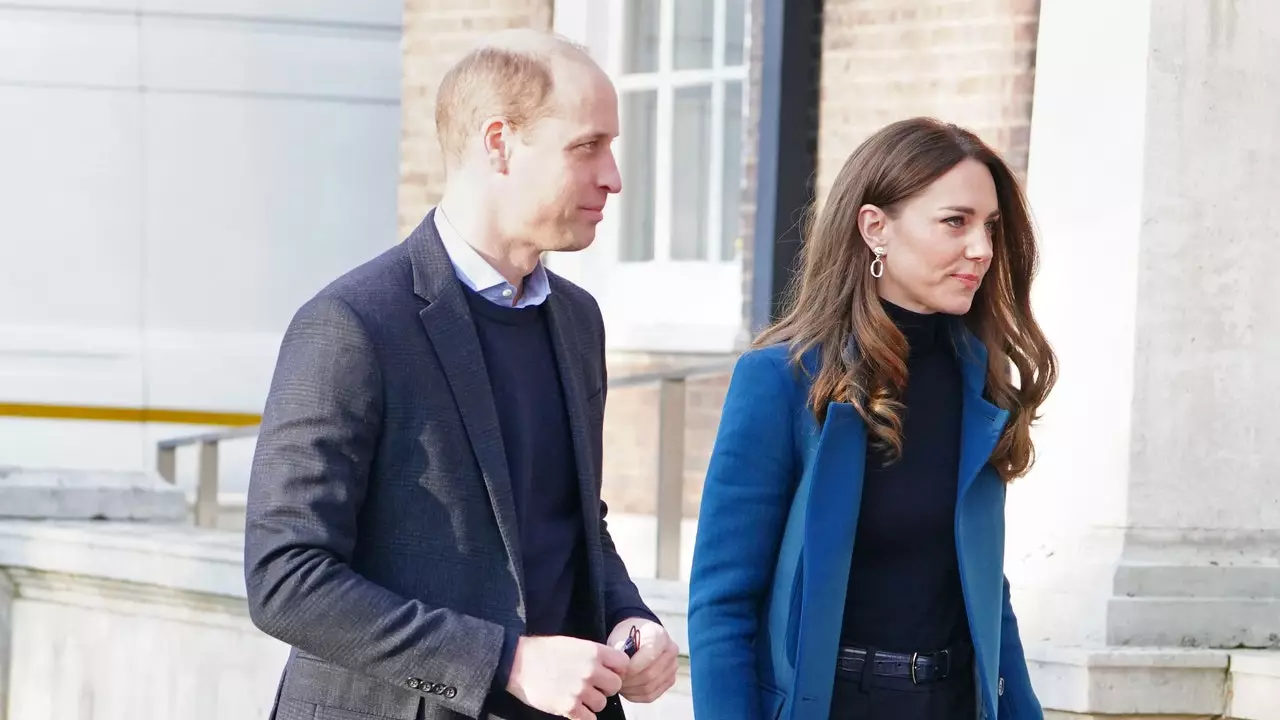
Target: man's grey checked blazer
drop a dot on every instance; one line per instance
(380, 537)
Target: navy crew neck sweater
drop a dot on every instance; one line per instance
(904, 590)
(520, 361)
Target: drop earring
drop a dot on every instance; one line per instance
(877, 265)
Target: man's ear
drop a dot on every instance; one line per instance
(496, 135)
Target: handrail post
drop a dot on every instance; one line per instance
(207, 485)
(167, 463)
(671, 427)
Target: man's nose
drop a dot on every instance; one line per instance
(611, 178)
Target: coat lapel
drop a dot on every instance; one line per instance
(452, 332)
(981, 422)
(831, 523)
(563, 323)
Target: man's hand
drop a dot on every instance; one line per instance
(653, 668)
(566, 676)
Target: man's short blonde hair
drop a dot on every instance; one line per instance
(509, 75)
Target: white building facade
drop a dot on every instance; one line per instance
(176, 177)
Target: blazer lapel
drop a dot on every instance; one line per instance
(453, 336)
(564, 338)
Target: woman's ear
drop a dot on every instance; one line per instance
(872, 222)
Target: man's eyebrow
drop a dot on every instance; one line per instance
(589, 137)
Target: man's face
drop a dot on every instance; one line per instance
(561, 169)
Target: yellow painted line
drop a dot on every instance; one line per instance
(133, 415)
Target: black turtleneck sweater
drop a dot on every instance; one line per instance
(904, 582)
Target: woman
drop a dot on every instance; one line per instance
(849, 558)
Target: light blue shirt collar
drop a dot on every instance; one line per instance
(476, 273)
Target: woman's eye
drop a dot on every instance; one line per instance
(991, 228)
(955, 222)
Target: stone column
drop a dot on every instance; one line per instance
(6, 639)
(1152, 519)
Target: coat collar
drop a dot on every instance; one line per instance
(969, 351)
(972, 355)
(982, 422)
(433, 275)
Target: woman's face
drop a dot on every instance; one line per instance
(937, 246)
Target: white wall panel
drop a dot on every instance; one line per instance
(344, 12)
(340, 63)
(68, 48)
(70, 207)
(72, 6)
(255, 203)
(339, 12)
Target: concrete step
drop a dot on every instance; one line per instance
(55, 494)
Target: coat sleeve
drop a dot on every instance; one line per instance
(309, 475)
(745, 500)
(1017, 699)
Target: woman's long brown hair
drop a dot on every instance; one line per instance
(833, 298)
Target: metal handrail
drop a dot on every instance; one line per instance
(207, 470)
(680, 373)
(672, 396)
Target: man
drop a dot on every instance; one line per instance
(424, 523)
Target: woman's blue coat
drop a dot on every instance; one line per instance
(775, 538)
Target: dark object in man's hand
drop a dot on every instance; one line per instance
(633, 642)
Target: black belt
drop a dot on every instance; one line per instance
(917, 667)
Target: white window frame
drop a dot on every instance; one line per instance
(661, 304)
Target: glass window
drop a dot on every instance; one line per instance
(681, 87)
(641, 39)
(735, 32)
(639, 139)
(694, 34)
(690, 172)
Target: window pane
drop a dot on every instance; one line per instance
(691, 172)
(641, 36)
(639, 139)
(735, 31)
(731, 194)
(694, 30)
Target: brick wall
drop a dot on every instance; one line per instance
(631, 433)
(971, 62)
(436, 34)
